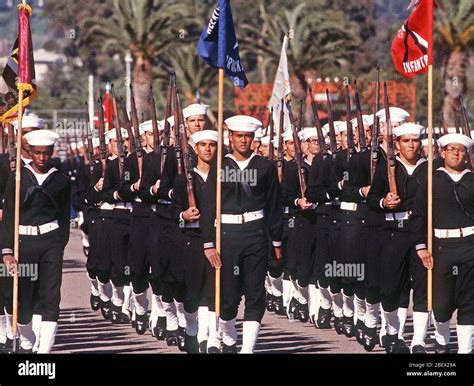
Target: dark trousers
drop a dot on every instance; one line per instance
(199, 276)
(244, 257)
(46, 252)
(137, 253)
(372, 248)
(453, 279)
(6, 295)
(277, 267)
(120, 236)
(335, 252)
(93, 260)
(321, 251)
(100, 254)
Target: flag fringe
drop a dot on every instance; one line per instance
(25, 6)
(25, 87)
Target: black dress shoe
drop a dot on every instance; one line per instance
(418, 349)
(278, 305)
(402, 348)
(269, 302)
(324, 319)
(390, 343)
(441, 348)
(105, 309)
(359, 331)
(303, 313)
(370, 338)
(141, 323)
(8, 347)
(159, 331)
(348, 326)
(191, 344)
(203, 347)
(172, 338)
(213, 350)
(229, 349)
(292, 312)
(115, 314)
(182, 339)
(338, 325)
(95, 303)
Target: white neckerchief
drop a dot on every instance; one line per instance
(40, 177)
(456, 177)
(202, 174)
(410, 168)
(242, 164)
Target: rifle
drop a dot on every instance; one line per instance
(360, 121)
(300, 117)
(317, 123)
(102, 145)
(298, 153)
(128, 126)
(467, 129)
(271, 148)
(332, 130)
(116, 122)
(188, 163)
(11, 147)
(177, 133)
(136, 130)
(154, 123)
(90, 149)
(1, 142)
(457, 123)
(280, 142)
(390, 147)
(374, 147)
(350, 131)
(166, 134)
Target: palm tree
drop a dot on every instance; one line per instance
(454, 23)
(146, 28)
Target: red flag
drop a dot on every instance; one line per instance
(412, 48)
(25, 49)
(107, 106)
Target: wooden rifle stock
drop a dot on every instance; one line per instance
(116, 122)
(317, 123)
(102, 144)
(271, 148)
(374, 147)
(298, 154)
(360, 121)
(177, 135)
(136, 131)
(350, 130)
(465, 121)
(332, 130)
(167, 131)
(390, 146)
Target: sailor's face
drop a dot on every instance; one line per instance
(113, 147)
(304, 147)
(195, 123)
(341, 140)
(368, 134)
(409, 146)
(454, 155)
(265, 151)
(256, 146)
(206, 150)
(290, 149)
(149, 139)
(313, 145)
(241, 140)
(24, 143)
(40, 156)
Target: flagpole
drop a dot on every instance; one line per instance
(430, 184)
(220, 123)
(16, 240)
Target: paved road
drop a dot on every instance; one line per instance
(82, 330)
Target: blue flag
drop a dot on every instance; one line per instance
(218, 45)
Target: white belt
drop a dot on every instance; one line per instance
(241, 218)
(397, 216)
(107, 206)
(35, 230)
(352, 206)
(453, 233)
(192, 225)
(124, 206)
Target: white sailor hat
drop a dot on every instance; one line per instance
(368, 120)
(112, 134)
(95, 142)
(339, 127)
(80, 144)
(265, 140)
(243, 123)
(455, 138)
(287, 135)
(73, 145)
(204, 135)
(195, 109)
(408, 128)
(308, 132)
(41, 138)
(259, 135)
(396, 115)
(148, 126)
(30, 121)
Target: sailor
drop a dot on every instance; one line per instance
(44, 233)
(251, 212)
(452, 259)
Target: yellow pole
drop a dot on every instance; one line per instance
(220, 123)
(430, 183)
(16, 242)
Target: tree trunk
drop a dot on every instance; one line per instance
(142, 80)
(454, 84)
